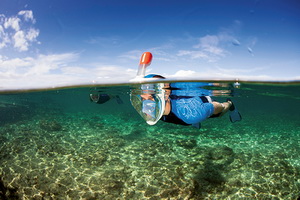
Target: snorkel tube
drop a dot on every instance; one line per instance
(145, 61)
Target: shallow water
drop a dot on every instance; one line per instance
(57, 144)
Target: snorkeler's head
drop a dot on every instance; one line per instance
(98, 98)
(154, 76)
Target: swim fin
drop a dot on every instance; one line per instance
(234, 114)
(197, 125)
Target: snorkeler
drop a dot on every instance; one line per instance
(159, 101)
(100, 98)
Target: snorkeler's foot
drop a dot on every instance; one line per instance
(232, 107)
(234, 114)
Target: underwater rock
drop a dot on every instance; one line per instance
(50, 125)
(7, 193)
(208, 180)
(211, 177)
(220, 152)
(187, 144)
(221, 156)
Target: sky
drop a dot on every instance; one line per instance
(62, 43)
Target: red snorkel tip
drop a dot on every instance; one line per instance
(146, 58)
(145, 61)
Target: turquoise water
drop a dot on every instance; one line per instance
(57, 144)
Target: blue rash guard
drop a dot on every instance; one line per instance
(189, 110)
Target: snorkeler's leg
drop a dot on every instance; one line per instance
(221, 108)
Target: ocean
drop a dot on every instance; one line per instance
(61, 144)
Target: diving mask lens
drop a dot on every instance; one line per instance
(149, 108)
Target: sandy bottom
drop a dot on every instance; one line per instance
(92, 157)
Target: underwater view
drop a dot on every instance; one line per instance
(64, 144)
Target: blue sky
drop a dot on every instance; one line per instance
(56, 43)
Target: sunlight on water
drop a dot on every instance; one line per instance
(91, 143)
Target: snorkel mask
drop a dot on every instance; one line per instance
(149, 101)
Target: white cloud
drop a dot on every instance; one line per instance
(235, 71)
(12, 22)
(208, 41)
(212, 48)
(193, 54)
(32, 34)
(74, 70)
(28, 15)
(43, 64)
(57, 70)
(15, 33)
(20, 41)
(4, 38)
(183, 74)
(210, 44)
(232, 74)
(33, 66)
(209, 48)
(216, 75)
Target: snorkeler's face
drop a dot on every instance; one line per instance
(147, 96)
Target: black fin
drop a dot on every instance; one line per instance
(234, 114)
(197, 125)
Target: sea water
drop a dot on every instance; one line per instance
(59, 144)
